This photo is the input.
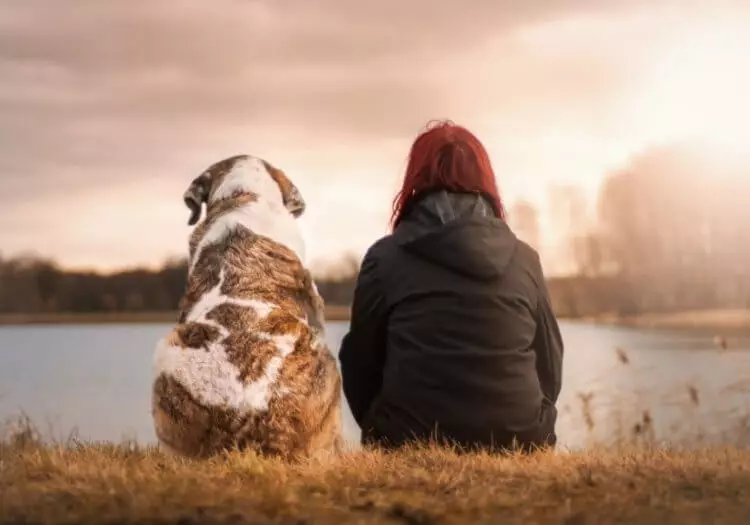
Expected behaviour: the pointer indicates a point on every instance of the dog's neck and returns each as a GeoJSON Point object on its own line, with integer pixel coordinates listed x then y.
{"type": "Point", "coordinates": [237, 199]}
{"type": "Point", "coordinates": [262, 217]}
{"type": "Point", "coordinates": [241, 192]}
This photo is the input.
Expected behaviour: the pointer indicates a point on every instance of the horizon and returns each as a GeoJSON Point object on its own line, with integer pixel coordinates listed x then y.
{"type": "Point", "coordinates": [110, 109]}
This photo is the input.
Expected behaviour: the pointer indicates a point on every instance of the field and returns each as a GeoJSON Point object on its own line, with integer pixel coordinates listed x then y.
{"type": "Point", "coordinates": [90, 483]}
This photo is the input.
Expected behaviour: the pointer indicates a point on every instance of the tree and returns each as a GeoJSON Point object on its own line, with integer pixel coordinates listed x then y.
{"type": "Point", "coordinates": [524, 220]}
{"type": "Point", "coordinates": [589, 255]}
{"type": "Point", "coordinates": [673, 222]}
{"type": "Point", "coordinates": [569, 213]}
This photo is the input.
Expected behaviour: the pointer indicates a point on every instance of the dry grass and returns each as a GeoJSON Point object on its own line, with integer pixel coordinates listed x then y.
{"type": "Point", "coordinates": [86, 483]}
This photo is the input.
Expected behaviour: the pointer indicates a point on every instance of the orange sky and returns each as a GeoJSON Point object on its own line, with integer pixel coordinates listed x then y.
{"type": "Point", "coordinates": [109, 110]}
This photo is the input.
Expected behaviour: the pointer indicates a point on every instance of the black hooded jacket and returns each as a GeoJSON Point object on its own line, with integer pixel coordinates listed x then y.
{"type": "Point", "coordinates": [452, 335]}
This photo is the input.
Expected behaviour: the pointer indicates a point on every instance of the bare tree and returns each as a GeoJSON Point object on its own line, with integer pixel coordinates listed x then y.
{"type": "Point", "coordinates": [674, 225]}
{"type": "Point", "coordinates": [524, 220]}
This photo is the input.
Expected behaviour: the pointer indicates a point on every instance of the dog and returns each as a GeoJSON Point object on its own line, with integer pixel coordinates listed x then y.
{"type": "Point", "coordinates": [247, 366]}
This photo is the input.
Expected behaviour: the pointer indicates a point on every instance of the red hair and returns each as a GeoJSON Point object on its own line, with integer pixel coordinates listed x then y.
{"type": "Point", "coordinates": [446, 157]}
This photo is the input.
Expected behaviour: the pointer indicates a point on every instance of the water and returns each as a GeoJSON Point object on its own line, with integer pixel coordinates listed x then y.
{"type": "Point", "coordinates": [95, 380]}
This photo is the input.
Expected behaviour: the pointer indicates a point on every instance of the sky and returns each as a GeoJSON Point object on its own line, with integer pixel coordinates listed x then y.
{"type": "Point", "coordinates": [108, 109]}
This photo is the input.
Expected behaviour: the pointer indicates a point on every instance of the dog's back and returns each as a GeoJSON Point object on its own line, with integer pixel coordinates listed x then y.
{"type": "Point", "coordinates": [247, 365]}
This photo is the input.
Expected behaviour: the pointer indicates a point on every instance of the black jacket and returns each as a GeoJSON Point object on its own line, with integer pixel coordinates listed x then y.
{"type": "Point", "coordinates": [452, 335]}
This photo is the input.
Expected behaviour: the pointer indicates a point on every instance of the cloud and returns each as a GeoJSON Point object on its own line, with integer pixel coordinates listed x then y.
{"type": "Point", "coordinates": [158, 73]}
{"type": "Point", "coordinates": [131, 98]}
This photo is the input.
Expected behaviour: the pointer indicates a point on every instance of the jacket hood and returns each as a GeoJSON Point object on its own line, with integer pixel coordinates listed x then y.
{"type": "Point", "coordinates": [458, 231]}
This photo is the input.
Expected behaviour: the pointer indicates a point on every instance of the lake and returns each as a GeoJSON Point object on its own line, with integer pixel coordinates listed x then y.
{"type": "Point", "coordinates": [95, 380]}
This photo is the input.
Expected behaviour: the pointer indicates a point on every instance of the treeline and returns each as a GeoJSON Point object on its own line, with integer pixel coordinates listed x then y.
{"type": "Point", "coordinates": [671, 233]}
{"type": "Point", "coordinates": [34, 285]}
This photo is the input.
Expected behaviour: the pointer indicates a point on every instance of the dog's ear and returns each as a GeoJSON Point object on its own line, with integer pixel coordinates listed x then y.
{"type": "Point", "coordinates": [290, 195]}
{"type": "Point", "coordinates": [196, 195]}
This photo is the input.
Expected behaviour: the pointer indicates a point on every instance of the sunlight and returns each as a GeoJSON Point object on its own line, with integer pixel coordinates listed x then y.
{"type": "Point", "coordinates": [697, 89]}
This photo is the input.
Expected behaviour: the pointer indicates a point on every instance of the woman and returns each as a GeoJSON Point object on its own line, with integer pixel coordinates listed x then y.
{"type": "Point", "coordinates": [452, 336]}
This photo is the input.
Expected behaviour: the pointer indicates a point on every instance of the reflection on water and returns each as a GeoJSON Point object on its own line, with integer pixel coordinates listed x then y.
{"type": "Point", "coordinates": [96, 380]}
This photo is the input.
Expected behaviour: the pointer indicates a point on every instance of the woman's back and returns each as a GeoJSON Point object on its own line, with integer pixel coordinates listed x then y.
{"type": "Point", "coordinates": [452, 336]}
{"type": "Point", "coordinates": [459, 291]}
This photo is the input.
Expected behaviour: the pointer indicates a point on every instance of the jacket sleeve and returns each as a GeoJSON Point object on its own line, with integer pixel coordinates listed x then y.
{"type": "Point", "coordinates": [362, 353]}
{"type": "Point", "coordinates": [548, 345]}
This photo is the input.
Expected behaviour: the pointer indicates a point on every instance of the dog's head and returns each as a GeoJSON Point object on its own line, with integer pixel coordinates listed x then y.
{"type": "Point", "coordinates": [242, 175]}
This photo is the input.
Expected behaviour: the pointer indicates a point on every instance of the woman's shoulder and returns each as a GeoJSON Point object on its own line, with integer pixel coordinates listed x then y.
{"type": "Point", "coordinates": [381, 256]}
{"type": "Point", "coordinates": [529, 261]}
{"type": "Point", "coordinates": [380, 248]}
{"type": "Point", "coordinates": [527, 253]}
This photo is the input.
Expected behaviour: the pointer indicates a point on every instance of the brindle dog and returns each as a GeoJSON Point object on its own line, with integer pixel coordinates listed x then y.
{"type": "Point", "coordinates": [247, 365]}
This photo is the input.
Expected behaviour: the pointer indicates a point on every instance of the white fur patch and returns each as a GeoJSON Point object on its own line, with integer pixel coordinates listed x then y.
{"type": "Point", "coordinates": [248, 174]}
{"type": "Point", "coordinates": [207, 373]}
{"type": "Point", "coordinates": [267, 216]}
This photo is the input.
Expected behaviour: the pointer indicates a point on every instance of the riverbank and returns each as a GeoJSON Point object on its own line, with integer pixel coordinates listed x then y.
{"type": "Point", "coordinates": [713, 320]}
{"type": "Point", "coordinates": [124, 484]}
{"type": "Point", "coordinates": [716, 321]}
{"type": "Point", "coordinates": [333, 313]}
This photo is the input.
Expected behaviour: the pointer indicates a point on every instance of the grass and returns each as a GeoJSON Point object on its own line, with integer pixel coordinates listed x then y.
{"type": "Point", "coordinates": [73, 482]}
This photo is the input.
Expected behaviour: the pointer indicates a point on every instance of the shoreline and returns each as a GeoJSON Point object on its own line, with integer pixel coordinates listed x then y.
{"type": "Point", "coordinates": [333, 313]}
{"type": "Point", "coordinates": [737, 320]}
{"type": "Point", "coordinates": [725, 320]}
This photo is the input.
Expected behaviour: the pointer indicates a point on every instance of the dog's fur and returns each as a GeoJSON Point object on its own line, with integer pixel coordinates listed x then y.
{"type": "Point", "coordinates": [247, 365]}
